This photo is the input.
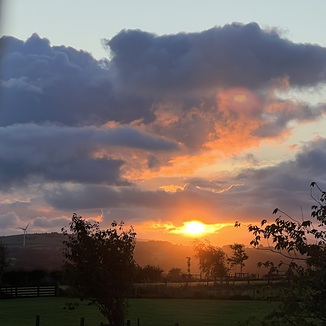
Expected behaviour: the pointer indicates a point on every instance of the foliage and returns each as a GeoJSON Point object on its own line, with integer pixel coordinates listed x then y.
{"type": "Point", "coordinates": [34, 277]}
{"type": "Point", "coordinates": [25, 277]}
{"type": "Point", "coordinates": [188, 268]}
{"type": "Point", "coordinates": [305, 243]}
{"type": "Point", "coordinates": [3, 259]}
{"type": "Point", "coordinates": [149, 274]}
{"type": "Point", "coordinates": [175, 275]}
{"type": "Point", "coordinates": [239, 256]}
{"type": "Point", "coordinates": [100, 265]}
{"type": "Point", "coordinates": [212, 260]}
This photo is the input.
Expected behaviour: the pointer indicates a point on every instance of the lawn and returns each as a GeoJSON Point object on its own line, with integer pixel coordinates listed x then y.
{"type": "Point", "coordinates": [151, 312]}
{"type": "Point", "coordinates": [190, 312]}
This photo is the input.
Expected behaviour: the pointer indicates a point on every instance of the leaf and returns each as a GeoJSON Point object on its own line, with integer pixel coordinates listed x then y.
{"type": "Point", "coordinates": [306, 223]}
{"type": "Point", "coordinates": [275, 210]}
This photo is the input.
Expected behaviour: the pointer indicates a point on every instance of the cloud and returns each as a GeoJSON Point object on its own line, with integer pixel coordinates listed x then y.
{"type": "Point", "coordinates": [312, 159]}
{"type": "Point", "coordinates": [90, 197]}
{"type": "Point", "coordinates": [215, 89]}
{"type": "Point", "coordinates": [69, 154]}
{"type": "Point", "coordinates": [162, 130]}
{"type": "Point", "coordinates": [42, 83]}
{"type": "Point", "coordinates": [253, 192]}
{"type": "Point", "coordinates": [43, 223]}
{"type": "Point", "coordinates": [8, 220]}
{"type": "Point", "coordinates": [229, 56]}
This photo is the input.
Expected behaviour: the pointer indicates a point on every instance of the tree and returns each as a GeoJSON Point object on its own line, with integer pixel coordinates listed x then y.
{"type": "Point", "coordinates": [212, 260]}
{"type": "Point", "coordinates": [3, 259]}
{"type": "Point", "coordinates": [304, 301]}
{"type": "Point", "coordinates": [188, 269]}
{"type": "Point", "coordinates": [174, 275]}
{"type": "Point", "coordinates": [149, 274]}
{"type": "Point", "coordinates": [100, 265]}
{"type": "Point", "coordinates": [239, 256]}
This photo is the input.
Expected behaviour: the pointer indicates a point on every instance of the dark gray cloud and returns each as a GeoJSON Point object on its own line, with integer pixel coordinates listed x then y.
{"type": "Point", "coordinates": [40, 82]}
{"type": "Point", "coordinates": [233, 55]}
{"type": "Point", "coordinates": [312, 160]}
{"type": "Point", "coordinates": [58, 153]}
{"type": "Point", "coordinates": [108, 197]}
{"type": "Point", "coordinates": [277, 121]}
{"type": "Point", "coordinates": [91, 197]}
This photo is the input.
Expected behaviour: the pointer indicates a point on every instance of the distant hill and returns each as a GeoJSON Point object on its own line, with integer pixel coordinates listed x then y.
{"type": "Point", "coordinates": [44, 251]}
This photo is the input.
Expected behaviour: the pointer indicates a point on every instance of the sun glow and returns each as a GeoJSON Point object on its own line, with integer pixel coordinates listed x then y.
{"type": "Point", "coordinates": [193, 228]}
{"type": "Point", "coordinates": [190, 228]}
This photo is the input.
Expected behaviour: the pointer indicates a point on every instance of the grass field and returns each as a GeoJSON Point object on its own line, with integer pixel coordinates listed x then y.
{"type": "Point", "coordinates": [151, 312]}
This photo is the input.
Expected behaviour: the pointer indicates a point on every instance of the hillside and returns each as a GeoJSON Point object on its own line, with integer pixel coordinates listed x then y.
{"type": "Point", "coordinates": [44, 251]}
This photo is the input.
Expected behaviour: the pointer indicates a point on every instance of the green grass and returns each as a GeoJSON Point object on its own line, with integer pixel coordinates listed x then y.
{"type": "Point", "coordinates": [22, 312]}
{"type": "Point", "coordinates": [151, 312]}
{"type": "Point", "coordinates": [189, 312]}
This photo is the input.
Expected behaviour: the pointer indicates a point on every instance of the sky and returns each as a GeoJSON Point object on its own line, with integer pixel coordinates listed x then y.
{"type": "Point", "coordinates": [159, 113]}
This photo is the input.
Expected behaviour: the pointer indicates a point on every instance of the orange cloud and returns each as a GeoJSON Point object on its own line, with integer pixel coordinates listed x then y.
{"type": "Point", "coordinates": [240, 100]}
{"type": "Point", "coordinates": [172, 188]}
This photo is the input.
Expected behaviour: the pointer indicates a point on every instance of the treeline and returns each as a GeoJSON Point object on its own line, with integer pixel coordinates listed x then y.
{"type": "Point", "coordinates": [146, 274]}
{"type": "Point", "coordinates": [154, 274]}
{"type": "Point", "coordinates": [31, 278]}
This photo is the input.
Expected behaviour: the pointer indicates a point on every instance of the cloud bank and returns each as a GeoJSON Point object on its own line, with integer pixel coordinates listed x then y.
{"type": "Point", "coordinates": [152, 133]}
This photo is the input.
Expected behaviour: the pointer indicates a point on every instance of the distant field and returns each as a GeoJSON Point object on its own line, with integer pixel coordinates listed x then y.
{"type": "Point", "coordinates": [151, 312]}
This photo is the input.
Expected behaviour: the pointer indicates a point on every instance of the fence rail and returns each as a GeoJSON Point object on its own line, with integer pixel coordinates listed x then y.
{"type": "Point", "coordinates": [28, 291]}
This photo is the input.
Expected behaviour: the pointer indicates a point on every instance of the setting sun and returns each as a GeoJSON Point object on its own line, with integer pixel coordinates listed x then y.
{"type": "Point", "coordinates": [190, 228]}
{"type": "Point", "coordinates": [194, 228]}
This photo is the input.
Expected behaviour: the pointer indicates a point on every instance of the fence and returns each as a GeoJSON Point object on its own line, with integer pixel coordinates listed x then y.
{"type": "Point", "coordinates": [29, 291]}
{"type": "Point", "coordinates": [82, 322]}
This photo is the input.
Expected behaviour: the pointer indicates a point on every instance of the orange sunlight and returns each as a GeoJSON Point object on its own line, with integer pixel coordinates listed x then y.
{"type": "Point", "coordinates": [183, 232]}
{"type": "Point", "coordinates": [196, 228]}
{"type": "Point", "coordinates": [193, 228]}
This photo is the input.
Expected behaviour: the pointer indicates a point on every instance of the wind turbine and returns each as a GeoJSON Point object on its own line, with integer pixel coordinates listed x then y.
{"type": "Point", "coordinates": [25, 233]}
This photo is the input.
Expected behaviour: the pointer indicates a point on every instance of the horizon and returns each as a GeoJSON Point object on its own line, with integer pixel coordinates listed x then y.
{"type": "Point", "coordinates": [159, 253]}
{"type": "Point", "coordinates": [179, 127]}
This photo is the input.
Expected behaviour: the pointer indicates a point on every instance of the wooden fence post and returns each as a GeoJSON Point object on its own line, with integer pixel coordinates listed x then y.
{"type": "Point", "coordinates": [82, 321]}
{"type": "Point", "coordinates": [37, 320]}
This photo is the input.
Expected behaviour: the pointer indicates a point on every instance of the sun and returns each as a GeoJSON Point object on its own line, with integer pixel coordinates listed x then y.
{"type": "Point", "coordinates": [194, 228]}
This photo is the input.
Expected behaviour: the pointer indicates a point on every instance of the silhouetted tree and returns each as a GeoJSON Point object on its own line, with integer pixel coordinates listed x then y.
{"type": "Point", "coordinates": [3, 259]}
{"type": "Point", "coordinates": [304, 241]}
{"type": "Point", "coordinates": [188, 269]}
{"type": "Point", "coordinates": [174, 275]}
{"type": "Point", "coordinates": [149, 274]}
{"type": "Point", "coordinates": [212, 260]}
{"type": "Point", "coordinates": [239, 256]}
{"type": "Point", "coordinates": [100, 265]}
